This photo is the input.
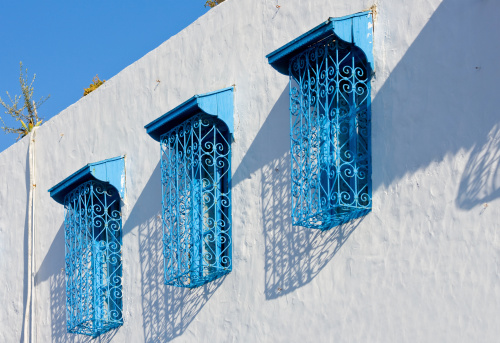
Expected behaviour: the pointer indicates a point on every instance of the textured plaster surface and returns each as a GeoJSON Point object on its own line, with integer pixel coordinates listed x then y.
{"type": "Point", "coordinates": [423, 266]}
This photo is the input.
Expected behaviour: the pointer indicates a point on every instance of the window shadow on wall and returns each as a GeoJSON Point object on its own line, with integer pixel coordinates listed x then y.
{"type": "Point", "coordinates": [52, 269]}
{"type": "Point", "coordinates": [439, 101]}
{"type": "Point", "coordinates": [167, 310]}
{"type": "Point", "coordinates": [294, 256]}
{"type": "Point", "coordinates": [480, 182]}
{"type": "Point", "coordinates": [58, 315]}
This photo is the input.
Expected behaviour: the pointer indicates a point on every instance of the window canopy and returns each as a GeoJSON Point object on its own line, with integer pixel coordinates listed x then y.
{"type": "Point", "coordinates": [111, 171]}
{"type": "Point", "coordinates": [218, 104]}
{"type": "Point", "coordinates": [355, 28]}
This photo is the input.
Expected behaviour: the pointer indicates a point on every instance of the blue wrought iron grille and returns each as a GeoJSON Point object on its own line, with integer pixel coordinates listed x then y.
{"type": "Point", "coordinates": [196, 206]}
{"type": "Point", "coordinates": [93, 228]}
{"type": "Point", "coordinates": [330, 134]}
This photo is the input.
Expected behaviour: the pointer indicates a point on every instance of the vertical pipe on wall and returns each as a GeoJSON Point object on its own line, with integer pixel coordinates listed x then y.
{"type": "Point", "coordinates": [33, 233]}
{"type": "Point", "coordinates": [29, 321]}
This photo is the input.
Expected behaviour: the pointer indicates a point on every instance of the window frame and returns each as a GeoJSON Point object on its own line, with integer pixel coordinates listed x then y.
{"type": "Point", "coordinates": [92, 199]}
{"type": "Point", "coordinates": [330, 145]}
{"type": "Point", "coordinates": [184, 198]}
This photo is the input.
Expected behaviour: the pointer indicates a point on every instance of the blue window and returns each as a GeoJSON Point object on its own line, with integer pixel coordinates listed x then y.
{"type": "Point", "coordinates": [93, 231]}
{"type": "Point", "coordinates": [330, 69]}
{"type": "Point", "coordinates": [195, 140]}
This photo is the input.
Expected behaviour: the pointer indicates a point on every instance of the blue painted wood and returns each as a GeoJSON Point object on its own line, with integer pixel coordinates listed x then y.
{"type": "Point", "coordinates": [219, 104]}
{"type": "Point", "coordinates": [356, 28]}
{"type": "Point", "coordinates": [111, 171]}
{"type": "Point", "coordinates": [362, 28]}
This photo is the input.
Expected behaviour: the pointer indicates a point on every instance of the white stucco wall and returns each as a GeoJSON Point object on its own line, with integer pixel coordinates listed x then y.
{"type": "Point", "coordinates": [423, 266]}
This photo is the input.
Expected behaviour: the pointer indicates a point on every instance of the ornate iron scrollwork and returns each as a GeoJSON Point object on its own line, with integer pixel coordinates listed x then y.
{"type": "Point", "coordinates": [93, 226]}
{"type": "Point", "coordinates": [196, 204]}
{"type": "Point", "coordinates": [330, 134]}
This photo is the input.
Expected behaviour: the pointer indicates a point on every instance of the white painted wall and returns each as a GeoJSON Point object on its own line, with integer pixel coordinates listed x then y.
{"type": "Point", "coordinates": [424, 266]}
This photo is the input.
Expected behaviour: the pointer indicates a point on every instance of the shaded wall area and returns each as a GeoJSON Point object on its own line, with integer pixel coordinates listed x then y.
{"type": "Point", "coordinates": [294, 255]}
{"type": "Point", "coordinates": [438, 101]}
{"type": "Point", "coordinates": [167, 311]}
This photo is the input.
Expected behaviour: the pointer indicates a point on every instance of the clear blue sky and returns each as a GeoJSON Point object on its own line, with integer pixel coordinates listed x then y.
{"type": "Point", "coordinates": [66, 43]}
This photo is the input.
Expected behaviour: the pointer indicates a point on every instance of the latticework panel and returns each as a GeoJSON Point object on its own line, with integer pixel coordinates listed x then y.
{"type": "Point", "coordinates": [330, 134]}
{"type": "Point", "coordinates": [93, 227]}
{"type": "Point", "coordinates": [196, 206]}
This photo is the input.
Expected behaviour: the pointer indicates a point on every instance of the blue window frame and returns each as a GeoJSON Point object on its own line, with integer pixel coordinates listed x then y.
{"type": "Point", "coordinates": [330, 69]}
{"type": "Point", "coordinates": [195, 140]}
{"type": "Point", "coordinates": [93, 231]}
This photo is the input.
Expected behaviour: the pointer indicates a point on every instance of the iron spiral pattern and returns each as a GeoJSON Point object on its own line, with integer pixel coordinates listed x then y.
{"type": "Point", "coordinates": [196, 204]}
{"type": "Point", "coordinates": [93, 264]}
{"type": "Point", "coordinates": [330, 134]}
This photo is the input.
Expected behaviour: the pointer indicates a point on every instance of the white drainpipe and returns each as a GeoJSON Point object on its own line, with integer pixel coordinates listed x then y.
{"type": "Point", "coordinates": [29, 317]}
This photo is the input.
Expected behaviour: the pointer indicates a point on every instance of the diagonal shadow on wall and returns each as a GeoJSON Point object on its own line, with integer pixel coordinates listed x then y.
{"type": "Point", "coordinates": [52, 269]}
{"type": "Point", "coordinates": [58, 315]}
{"type": "Point", "coordinates": [167, 310]}
{"type": "Point", "coordinates": [480, 182]}
{"type": "Point", "coordinates": [294, 256]}
{"type": "Point", "coordinates": [426, 110]}
{"type": "Point", "coordinates": [438, 101]}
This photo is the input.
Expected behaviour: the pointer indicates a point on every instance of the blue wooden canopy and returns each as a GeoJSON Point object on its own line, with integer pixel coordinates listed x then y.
{"type": "Point", "coordinates": [111, 171]}
{"type": "Point", "coordinates": [356, 28]}
{"type": "Point", "coordinates": [218, 104]}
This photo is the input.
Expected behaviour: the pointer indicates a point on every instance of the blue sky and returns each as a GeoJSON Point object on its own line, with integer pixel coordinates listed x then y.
{"type": "Point", "coordinates": [66, 43]}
